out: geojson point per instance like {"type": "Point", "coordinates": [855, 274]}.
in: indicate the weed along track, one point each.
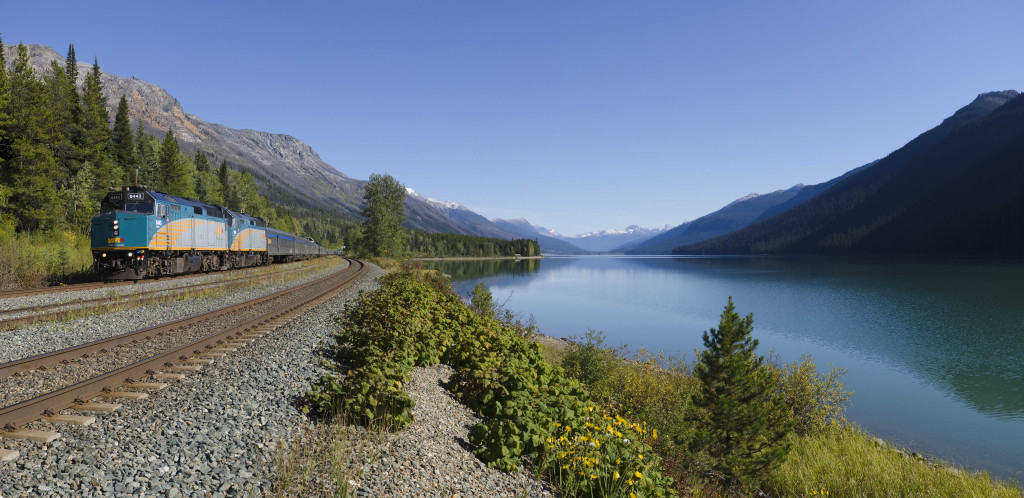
{"type": "Point", "coordinates": [69, 385]}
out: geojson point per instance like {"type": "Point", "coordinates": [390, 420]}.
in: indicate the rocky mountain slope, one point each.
{"type": "Point", "coordinates": [296, 171]}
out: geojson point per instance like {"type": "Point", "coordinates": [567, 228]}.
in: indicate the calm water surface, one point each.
{"type": "Point", "coordinates": [934, 351]}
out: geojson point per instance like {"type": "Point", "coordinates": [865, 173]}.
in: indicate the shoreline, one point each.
{"type": "Point", "coordinates": [476, 258]}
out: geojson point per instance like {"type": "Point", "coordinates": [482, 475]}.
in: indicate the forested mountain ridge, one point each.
{"type": "Point", "coordinates": [954, 190]}
{"type": "Point", "coordinates": [548, 242]}
{"type": "Point", "coordinates": [735, 215]}
{"type": "Point", "coordinates": [288, 170]}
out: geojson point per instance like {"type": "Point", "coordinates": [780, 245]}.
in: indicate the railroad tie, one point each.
{"type": "Point", "coordinates": [125, 395]}
{"type": "Point", "coordinates": [184, 368]}
{"type": "Point", "coordinates": [221, 349]}
{"type": "Point", "coordinates": [151, 386]}
{"type": "Point", "coordinates": [169, 376]}
{"type": "Point", "coordinates": [31, 435]}
{"type": "Point", "coordinates": [71, 419]}
{"type": "Point", "coordinates": [8, 455]}
{"type": "Point", "coordinates": [97, 407]}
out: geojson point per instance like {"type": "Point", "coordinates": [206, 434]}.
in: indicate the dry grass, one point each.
{"type": "Point", "coordinates": [325, 460]}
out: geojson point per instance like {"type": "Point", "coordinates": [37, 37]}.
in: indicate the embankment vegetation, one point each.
{"type": "Point", "coordinates": [602, 421]}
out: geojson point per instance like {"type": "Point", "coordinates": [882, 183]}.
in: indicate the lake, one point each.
{"type": "Point", "coordinates": [934, 350]}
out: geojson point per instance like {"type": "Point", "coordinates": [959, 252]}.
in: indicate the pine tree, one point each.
{"type": "Point", "coordinates": [74, 134]}
{"type": "Point", "coordinates": [742, 425]}
{"type": "Point", "coordinates": [31, 166]}
{"type": "Point", "coordinates": [96, 133]}
{"type": "Point", "coordinates": [121, 139]}
{"type": "Point", "coordinates": [5, 114]}
{"type": "Point", "coordinates": [384, 213]}
{"type": "Point", "coordinates": [62, 102]}
{"type": "Point", "coordinates": [225, 186]}
{"type": "Point", "coordinates": [201, 162]}
{"type": "Point", "coordinates": [71, 66]}
{"type": "Point", "coordinates": [6, 219]}
{"type": "Point", "coordinates": [174, 174]}
{"type": "Point", "coordinates": [145, 153]}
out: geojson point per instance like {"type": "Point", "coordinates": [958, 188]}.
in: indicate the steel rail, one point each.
{"type": "Point", "coordinates": [73, 352]}
{"type": "Point", "coordinates": [14, 416]}
{"type": "Point", "coordinates": [84, 286]}
{"type": "Point", "coordinates": [143, 297]}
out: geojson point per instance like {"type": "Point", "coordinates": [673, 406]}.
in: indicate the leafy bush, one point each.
{"type": "Point", "coordinates": [817, 401]}
{"type": "Point", "coordinates": [481, 300]}
{"type": "Point", "coordinates": [590, 361]}
{"type": "Point", "coordinates": [530, 406]}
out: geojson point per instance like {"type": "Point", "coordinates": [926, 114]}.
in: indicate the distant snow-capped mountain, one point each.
{"type": "Point", "coordinates": [611, 238]}
{"type": "Point", "coordinates": [434, 202]}
{"type": "Point", "coordinates": [525, 226]}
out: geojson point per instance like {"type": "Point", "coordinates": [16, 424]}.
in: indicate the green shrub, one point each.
{"type": "Point", "coordinates": [591, 362]}
{"type": "Point", "coordinates": [530, 406]}
{"type": "Point", "coordinates": [481, 300]}
{"type": "Point", "coordinates": [817, 401]}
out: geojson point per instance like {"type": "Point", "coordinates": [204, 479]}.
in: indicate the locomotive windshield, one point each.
{"type": "Point", "coordinates": [132, 202]}
{"type": "Point", "coordinates": [145, 207]}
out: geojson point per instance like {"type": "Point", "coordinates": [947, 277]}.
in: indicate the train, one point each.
{"type": "Point", "coordinates": [141, 233]}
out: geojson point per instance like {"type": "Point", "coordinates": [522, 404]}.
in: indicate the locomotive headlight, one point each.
{"type": "Point", "coordinates": [129, 254]}
{"type": "Point", "coordinates": [115, 222]}
{"type": "Point", "coordinates": [103, 255]}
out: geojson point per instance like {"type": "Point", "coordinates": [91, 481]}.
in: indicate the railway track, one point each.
{"type": "Point", "coordinates": [63, 310]}
{"type": "Point", "coordinates": [84, 286]}
{"type": "Point", "coordinates": [169, 364]}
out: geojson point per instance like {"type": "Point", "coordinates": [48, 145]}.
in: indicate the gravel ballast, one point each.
{"type": "Point", "coordinates": [216, 433]}
{"type": "Point", "coordinates": [431, 456]}
{"type": "Point", "coordinates": [43, 338]}
{"type": "Point", "coordinates": [212, 433]}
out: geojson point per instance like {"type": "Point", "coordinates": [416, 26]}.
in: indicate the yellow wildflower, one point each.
{"type": "Point", "coordinates": [638, 475]}
{"type": "Point", "coordinates": [615, 475]}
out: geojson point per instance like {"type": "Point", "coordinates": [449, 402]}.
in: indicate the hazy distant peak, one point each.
{"type": "Point", "coordinates": [630, 230]}
{"type": "Point", "coordinates": [747, 197]}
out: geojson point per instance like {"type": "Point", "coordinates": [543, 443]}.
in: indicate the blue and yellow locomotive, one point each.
{"type": "Point", "coordinates": [142, 233]}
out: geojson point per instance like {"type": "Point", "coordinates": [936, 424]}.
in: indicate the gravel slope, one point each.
{"type": "Point", "coordinates": [431, 456]}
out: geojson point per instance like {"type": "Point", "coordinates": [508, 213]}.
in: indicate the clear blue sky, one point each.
{"type": "Point", "coordinates": [578, 116]}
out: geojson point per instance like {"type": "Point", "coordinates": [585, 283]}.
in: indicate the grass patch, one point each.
{"type": "Point", "coordinates": [846, 462]}
{"type": "Point", "coordinates": [325, 460]}
{"type": "Point", "coordinates": [43, 258]}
